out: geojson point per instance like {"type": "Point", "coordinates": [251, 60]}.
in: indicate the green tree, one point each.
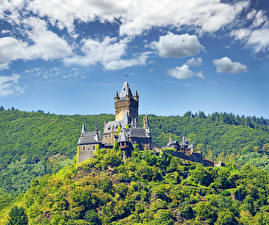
{"type": "Point", "coordinates": [92, 217]}
{"type": "Point", "coordinates": [17, 216]}
{"type": "Point", "coordinates": [226, 217]}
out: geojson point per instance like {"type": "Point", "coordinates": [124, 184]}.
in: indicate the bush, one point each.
{"type": "Point", "coordinates": [17, 216]}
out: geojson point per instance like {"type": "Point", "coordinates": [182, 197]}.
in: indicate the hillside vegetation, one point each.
{"type": "Point", "coordinates": [38, 143]}
{"type": "Point", "coordinates": [146, 189]}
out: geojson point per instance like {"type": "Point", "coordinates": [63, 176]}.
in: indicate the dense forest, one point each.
{"type": "Point", "coordinates": [146, 189]}
{"type": "Point", "coordinates": [36, 143]}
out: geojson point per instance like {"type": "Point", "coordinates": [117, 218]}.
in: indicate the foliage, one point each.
{"type": "Point", "coordinates": [17, 216]}
{"type": "Point", "coordinates": [36, 143]}
{"type": "Point", "coordinates": [106, 190]}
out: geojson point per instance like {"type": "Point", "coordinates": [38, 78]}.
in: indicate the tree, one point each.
{"type": "Point", "coordinates": [17, 216]}
{"type": "Point", "coordinates": [226, 217]}
{"type": "Point", "coordinates": [265, 148]}
{"type": "Point", "coordinates": [92, 217]}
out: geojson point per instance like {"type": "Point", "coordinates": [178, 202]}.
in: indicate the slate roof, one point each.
{"type": "Point", "coordinates": [89, 138]}
{"type": "Point", "coordinates": [136, 132]}
{"type": "Point", "coordinates": [124, 90]}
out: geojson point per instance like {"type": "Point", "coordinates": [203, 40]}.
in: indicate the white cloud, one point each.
{"type": "Point", "coordinates": [241, 34]}
{"type": "Point", "coordinates": [45, 45]}
{"type": "Point", "coordinates": [260, 19]}
{"type": "Point", "coordinates": [225, 65]}
{"type": "Point", "coordinates": [123, 63]}
{"type": "Point", "coordinates": [9, 85]}
{"type": "Point", "coordinates": [173, 45]}
{"type": "Point", "coordinates": [184, 72]}
{"type": "Point", "coordinates": [256, 35]}
{"type": "Point", "coordinates": [108, 52]}
{"type": "Point", "coordinates": [141, 15]}
{"type": "Point", "coordinates": [194, 62]}
{"type": "Point", "coordinates": [259, 40]}
{"type": "Point", "coordinates": [11, 49]}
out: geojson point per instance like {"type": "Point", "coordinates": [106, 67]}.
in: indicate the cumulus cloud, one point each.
{"type": "Point", "coordinates": [178, 46]}
{"type": "Point", "coordinates": [9, 85]}
{"type": "Point", "coordinates": [256, 36]}
{"type": "Point", "coordinates": [225, 65]}
{"type": "Point", "coordinates": [194, 62]}
{"type": "Point", "coordinates": [183, 72]}
{"type": "Point", "coordinates": [45, 45]}
{"type": "Point", "coordinates": [108, 52]}
{"type": "Point", "coordinates": [259, 40]}
{"type": "Point", "coordinates": [204, 15]}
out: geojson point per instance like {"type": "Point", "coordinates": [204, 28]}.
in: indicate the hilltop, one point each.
{"type": "Point", "coordinates": [147, 189]}
{"type": "Point", "coordinates": [38, 143]}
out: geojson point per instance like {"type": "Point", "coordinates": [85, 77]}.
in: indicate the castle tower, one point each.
{"type": "Point", "coordinates": [146, 126]}
{"type": "Point", "coordinates": [126, 102]}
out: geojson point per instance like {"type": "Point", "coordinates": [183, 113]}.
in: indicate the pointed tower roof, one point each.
{"type": "Point", "coordinates": [147, 127]}
{"type": "Point", "coordinates": [125, 91]}
{"type": "Point", "coordinates": [117, 95]}
{"type": "Point", "coordinates": [83, 130]}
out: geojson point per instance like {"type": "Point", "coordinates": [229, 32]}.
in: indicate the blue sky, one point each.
{"type": "Point", "coordinates": [70, 57]}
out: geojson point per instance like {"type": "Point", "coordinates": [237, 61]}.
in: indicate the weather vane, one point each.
{"type": "Point", "coordinates": [126, 76]}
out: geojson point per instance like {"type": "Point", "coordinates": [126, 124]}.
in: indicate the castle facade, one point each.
{"type": "Point", "coordinates": [124, 130]}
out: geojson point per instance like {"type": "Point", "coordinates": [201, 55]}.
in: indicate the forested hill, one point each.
{"type": "Point", "coordinates": [146, 189]}
{"type": "Point", "coordinates": [36, 143]}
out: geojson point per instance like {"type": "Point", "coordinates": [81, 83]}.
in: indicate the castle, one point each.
{"type": "Point", "coordinates": [126, 133]}
{"type": "Point", "coordinates": [125, 130]}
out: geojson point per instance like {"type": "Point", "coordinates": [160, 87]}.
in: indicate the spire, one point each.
{"type": "Point", "coordinates": [125, 91]}
{"type": "Point", "coordinates": [146, 126]}
{"type": "Point", "coordinates": [136, 96]}
{"type": "Point", "coordinates": [129, 94]}
{"type": "Point", "coordinates": [96, 135]}
{"type": "Point", "coordinates": [117, 95]}
{"type": "Point", "coordinates": [83, 130]}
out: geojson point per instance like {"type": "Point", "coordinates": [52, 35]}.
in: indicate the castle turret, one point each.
{"type": "Point", "coordinates": [136, 96]}
{"type": "Point", "coordinates": [116, 98]}
{"type": "Point", "coordinates": [126, 101]}
{"type": "Point", "coordinates": [83, 130]}
{"type": "Point", "coordinates": [146, 126]}
{"type": "Point", "coordinates": [96, 133]}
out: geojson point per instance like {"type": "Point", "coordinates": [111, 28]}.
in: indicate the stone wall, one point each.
{"type": "Point", "coordinates": [195, 157]}
{"type": "Point", "coordinates": [108, 138]}
{"type": "Point", "coordinates": [130, 105]}
{"type": "Point", "coordinates": [143, 143]}
{"type": "Point", "coordinates": [86, 152]}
